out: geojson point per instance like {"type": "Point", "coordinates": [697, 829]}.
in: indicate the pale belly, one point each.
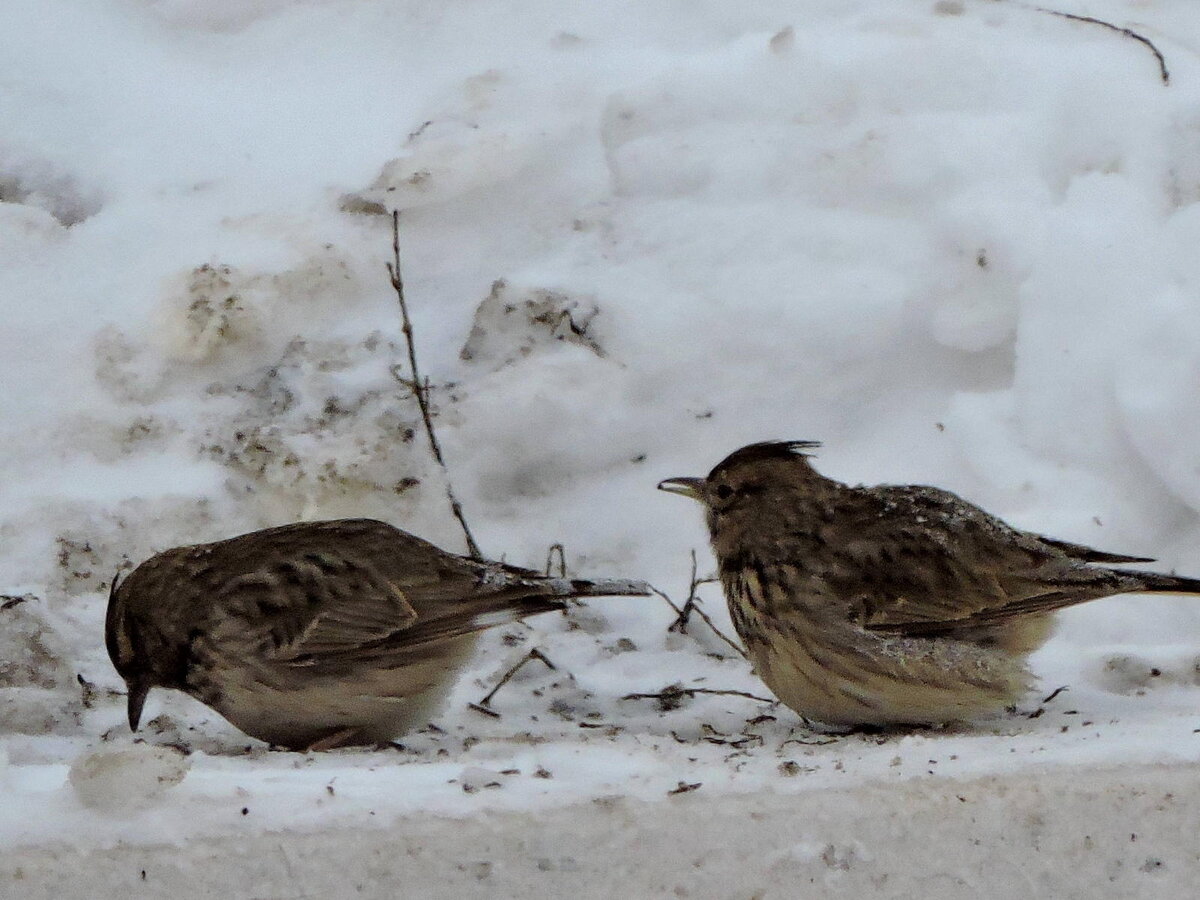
{"type": "Point", "coordinates": [374, 706]}
{"type": "Point", "coordinates": [846, 676]}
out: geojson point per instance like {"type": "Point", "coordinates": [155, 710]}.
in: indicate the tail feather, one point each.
{"type": "Point", "coordinates": [547, 594]}
{"type": "Point", "coordinates": [516, 600]}
{"type": "Point", "coordinates": [1167, 584]}
{"type": "Point", "coordinates": [1089, 554]}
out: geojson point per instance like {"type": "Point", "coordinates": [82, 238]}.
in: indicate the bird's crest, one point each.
{"type": "Point", "coordinates": [765, 450]}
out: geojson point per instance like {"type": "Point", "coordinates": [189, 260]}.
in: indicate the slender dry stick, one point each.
{"type": "Point", "coordinates": [1125, 32]}
{"type": "Point", "coordinates": [690, 605]}
{"type": "Point", "coordinates": [707, 621]}
{"type": "Point", "coordinates": [672, 693]}
{"type": "Point", "coordinates": [8, 601]}
{"type": "Point", "coordinates": [420, 388]}
{"type": "Point", "coordinates": [562, 573]}
{"type": "Point", "coordinates": [529, 657]}
{"type": "Point", "coordinates": [562, 560]}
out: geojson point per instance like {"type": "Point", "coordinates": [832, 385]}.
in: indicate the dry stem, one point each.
{"type": "Point", "coordinates": [674, 692]}
{"type": "Point", "coordinates": [1126, 32]}
{"type": "Point", "coordinates": [532, 655]}
{"type": "Point", "coordinates": [707, 621]}
{"type": "Point", "coordinates": [690, 605]}
{"type": "Point", "coordinates": [562, 560]}
{"type": "Point", "coordinates": [420, 388]}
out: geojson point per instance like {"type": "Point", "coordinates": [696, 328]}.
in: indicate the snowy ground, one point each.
{"type": "Point", "coordinates": [953, 240]}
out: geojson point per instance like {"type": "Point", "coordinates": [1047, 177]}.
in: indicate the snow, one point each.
{"type": "Point", "coordinates": [954, 241]}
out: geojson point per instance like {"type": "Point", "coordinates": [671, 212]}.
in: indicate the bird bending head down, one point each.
{"type": "Point", "coordinates": [319, 634]}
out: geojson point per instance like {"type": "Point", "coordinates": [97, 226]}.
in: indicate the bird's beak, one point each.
{"type": "Point", "coordinates": [137, 698]}
{"type": "Point", "coordinates": [687, 487]}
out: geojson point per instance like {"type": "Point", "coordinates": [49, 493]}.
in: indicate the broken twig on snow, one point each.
{"type": "Point", "coordinates": [704, 616]}
{"type": "Point", "coordinates": [562, 560]}
{"type": "Point", "coordinates": [8, 601]}
{"type": "Point", "coordinates": [1125, 32]}
{"type": "Point", "coordinates": [507, 676]}
{"type": "Point", "coordinates": [420, 388]}
{"type": "Point", "coordinates": [1054, 693]}
{"type": "Point", "coordinates": [689, 606]}
{"type": "Point", "coordinates": [673, 693]}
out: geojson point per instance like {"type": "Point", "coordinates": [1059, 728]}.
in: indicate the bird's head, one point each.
{"type": "Point", "coordinates": [749, 483]}
{"type": "Point", "coordinates": [126, 649]}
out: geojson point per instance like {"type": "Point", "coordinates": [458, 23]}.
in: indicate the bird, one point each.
{"type": "Point", "coordinates": [889, 605]}
{"type": "Point", "coordinates": [319, 635]}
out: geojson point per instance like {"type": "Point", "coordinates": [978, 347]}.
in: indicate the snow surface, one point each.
{"type": "Point", "coordinates": [955, 241]}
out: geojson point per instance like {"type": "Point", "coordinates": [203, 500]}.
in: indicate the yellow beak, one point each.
{"type": "Point", "coordinates": [686, 487]}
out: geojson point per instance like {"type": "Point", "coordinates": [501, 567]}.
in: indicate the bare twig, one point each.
{"type": "Point", "coordinates": [531, 655]}
{"type": "Point", "coordinates": [710, 735]}
{"type": "Point", "coordinates": [484, 710]}
{"type": "Point", "coordinates": [1054, 693]}
{"type": "Point", "coordinates": [815, 742]}
{"type": "Point", "coordinates": [1125, 32]}
{"type": "Point", "coordinates": [572, 602]}
{"type": "Point", "coordinates": [707, 621]}
{"type": "Point", "coordinates": [672, 693]}
{"type": "Point", "coordinates": [1041, 710]}
{"type": "Point", "coordinates": [420, 387]}
{"type": "Point", "coordinates": [562, 560]}
{"type": "Point", "coordinates": [690, 604]}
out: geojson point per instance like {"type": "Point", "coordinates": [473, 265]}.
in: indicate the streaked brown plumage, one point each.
{"type": "Point", "coordinates": [318, 634]}
{"type": "Point", "coordinates": [891, 604]}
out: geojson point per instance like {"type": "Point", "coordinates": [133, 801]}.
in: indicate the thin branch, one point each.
{"type": "Point", "coordinates": [420, 387]}
{"type": "Point", "coordinates": [532, 655]}
{"type": "Point", "coordinates": [815, 742]}
{"type": "Point", "coordinates": [690, 604]}
{"type": "Point", "coordinates": [674, 692]}
{"type": "Point", "coordinates": [707, 621]}
{"type": "Point", "coordinates": [1041, 710]}
{"type": "Point", "coordinates": [562, 573]}
{"type": "Point", "coordinates": [562, 560]}
{"type": "Point", "coordinates": [1125, 32]}
{"type": "Point", "coordinates": [1054, 693]}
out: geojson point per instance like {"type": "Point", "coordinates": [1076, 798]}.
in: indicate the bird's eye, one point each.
{"type": "Point", "coordinates": [724, 492]}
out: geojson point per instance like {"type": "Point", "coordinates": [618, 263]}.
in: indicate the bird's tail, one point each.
{"type": "Point", "coordinates": [540, 594]}
{"type": "Point", "coordinates": [520, 597]}
{"type": "Point", "coordinates": [1154, 582]}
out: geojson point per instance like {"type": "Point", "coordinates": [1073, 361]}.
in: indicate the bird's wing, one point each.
{"type": "Point", "coordinates": [351, 601]}
{"type": "Point", "coordinates": [919, 560]}
{"type": "Point", "coordinates": [295, 607]}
